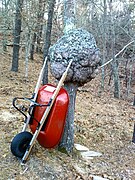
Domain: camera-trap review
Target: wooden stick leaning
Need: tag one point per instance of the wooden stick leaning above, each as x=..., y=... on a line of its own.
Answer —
x=46, y=113
x=35, y=94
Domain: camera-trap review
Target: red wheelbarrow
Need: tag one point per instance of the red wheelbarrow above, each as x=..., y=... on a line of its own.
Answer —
x=46, y=117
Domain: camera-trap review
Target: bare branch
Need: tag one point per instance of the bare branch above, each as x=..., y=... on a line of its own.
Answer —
x=117, y=54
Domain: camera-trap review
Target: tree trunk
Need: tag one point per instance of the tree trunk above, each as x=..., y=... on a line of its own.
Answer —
x=104, y=43
x=115, y=62
x=48, y=37
x=67, y=141
x=133, y=139
x=69, y=15
x=129, y=79
x=5, y=17
x=27, y=49
x=32, y=47
x=39, y=27
x=17, y=32
x=116, y=79
x=134, y=101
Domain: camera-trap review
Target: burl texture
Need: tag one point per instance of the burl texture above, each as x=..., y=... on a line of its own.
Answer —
x=79, y=45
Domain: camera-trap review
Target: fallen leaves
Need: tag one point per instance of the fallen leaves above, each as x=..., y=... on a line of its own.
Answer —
x=102, y=124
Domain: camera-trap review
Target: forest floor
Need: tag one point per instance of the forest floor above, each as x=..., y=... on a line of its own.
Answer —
x=102, y=123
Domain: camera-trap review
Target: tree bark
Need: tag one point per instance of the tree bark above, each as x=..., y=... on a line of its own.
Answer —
x=67, y=141
x=17, y=32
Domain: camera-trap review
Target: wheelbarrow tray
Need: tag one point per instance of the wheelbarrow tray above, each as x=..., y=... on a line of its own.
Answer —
x=51, y=132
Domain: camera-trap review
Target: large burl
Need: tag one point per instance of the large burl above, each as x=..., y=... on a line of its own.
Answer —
x=80, y=46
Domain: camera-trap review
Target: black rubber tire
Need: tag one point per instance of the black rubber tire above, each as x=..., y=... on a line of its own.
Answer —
x=20, y=143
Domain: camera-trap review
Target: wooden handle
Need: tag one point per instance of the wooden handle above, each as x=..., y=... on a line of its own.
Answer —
x=35, y=93
x=40, y=77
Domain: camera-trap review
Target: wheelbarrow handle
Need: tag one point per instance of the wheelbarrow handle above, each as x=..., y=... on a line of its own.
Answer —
x=33, y=104
x=35, y=93
x=39, y=79
x=14, y=104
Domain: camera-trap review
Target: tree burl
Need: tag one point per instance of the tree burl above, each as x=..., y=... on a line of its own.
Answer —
x=78, y=45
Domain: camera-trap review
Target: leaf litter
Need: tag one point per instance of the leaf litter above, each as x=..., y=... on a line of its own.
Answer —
x=103, y=124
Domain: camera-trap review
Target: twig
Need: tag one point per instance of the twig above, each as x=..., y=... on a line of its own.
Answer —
x=117, y=54
x=24, y=171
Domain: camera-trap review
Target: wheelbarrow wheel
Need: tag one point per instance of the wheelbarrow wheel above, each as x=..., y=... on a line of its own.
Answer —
x=20, y=143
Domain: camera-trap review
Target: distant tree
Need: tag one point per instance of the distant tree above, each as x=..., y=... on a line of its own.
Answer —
x=134, y=101
x=39, y=27
x=17, y=34
x=32, y=49
x=133, y=139
x=115, y=63
x=5, y=22
x=47, y=42
x=4, y=13
x=104, y=37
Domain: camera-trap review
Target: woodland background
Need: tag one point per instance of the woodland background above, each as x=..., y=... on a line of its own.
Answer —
x=104, y=115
